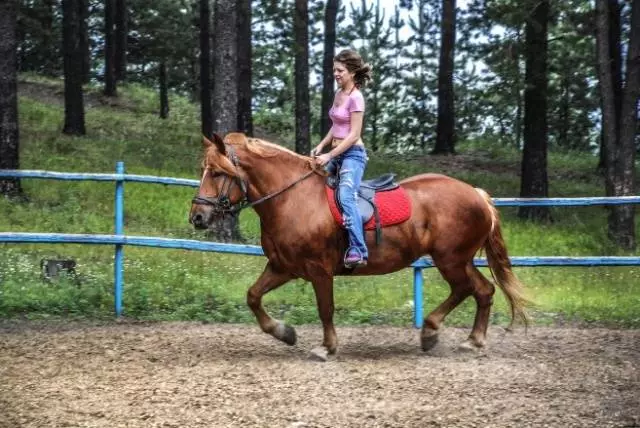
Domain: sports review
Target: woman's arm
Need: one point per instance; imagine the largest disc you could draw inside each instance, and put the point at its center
(326, 140)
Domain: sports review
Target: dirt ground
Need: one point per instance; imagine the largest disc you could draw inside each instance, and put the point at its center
(198, 375)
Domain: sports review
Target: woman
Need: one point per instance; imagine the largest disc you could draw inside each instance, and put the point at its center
(347, 155)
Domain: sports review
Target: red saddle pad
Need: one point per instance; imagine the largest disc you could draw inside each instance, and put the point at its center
(394, 207)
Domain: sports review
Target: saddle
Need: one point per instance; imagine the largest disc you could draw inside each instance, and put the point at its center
(381, 202)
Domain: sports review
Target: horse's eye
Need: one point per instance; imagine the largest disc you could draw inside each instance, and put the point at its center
(215, 174)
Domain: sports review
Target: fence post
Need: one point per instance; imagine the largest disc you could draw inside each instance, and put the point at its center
(417, 297)
(119, 230)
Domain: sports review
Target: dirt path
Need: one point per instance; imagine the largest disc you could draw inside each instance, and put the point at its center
(195, 375)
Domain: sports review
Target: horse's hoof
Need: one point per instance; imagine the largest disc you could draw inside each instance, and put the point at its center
(289, 337)
(319, 354)
(469, 346)
(285, 333)
(429, 341)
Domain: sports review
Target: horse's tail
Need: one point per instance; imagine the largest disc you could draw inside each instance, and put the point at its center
(500, 266)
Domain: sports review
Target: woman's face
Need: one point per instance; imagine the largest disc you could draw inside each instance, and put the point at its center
(343, 77)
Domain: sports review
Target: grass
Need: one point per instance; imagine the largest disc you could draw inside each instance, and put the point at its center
(165, 284)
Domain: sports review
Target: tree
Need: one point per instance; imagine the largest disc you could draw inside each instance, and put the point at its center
(121, 33)
(39, 35)
(225, 94)
(273, 76)
(418, 83)
(397, 115)
(225, 70)
(534, 181)
(205, 69)
(445, 133)
(85, 45)
(245, 117)
(619, 122)
(375, 52)
(301, 30)
(9, 132)
(73, 59)
(615, 60)
(164, 91)
(109, 48)
(330, 14)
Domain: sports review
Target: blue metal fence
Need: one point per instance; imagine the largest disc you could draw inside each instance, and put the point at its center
(119, 240)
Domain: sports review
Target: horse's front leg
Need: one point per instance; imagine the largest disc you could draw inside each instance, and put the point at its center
(323, 287)
(270, 280)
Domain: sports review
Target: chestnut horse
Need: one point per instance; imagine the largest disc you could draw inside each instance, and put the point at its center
(450, 221)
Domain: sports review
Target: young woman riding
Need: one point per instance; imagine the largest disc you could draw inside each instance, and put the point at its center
(347, 156)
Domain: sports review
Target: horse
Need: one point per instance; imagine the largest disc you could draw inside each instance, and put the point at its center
(449, 220)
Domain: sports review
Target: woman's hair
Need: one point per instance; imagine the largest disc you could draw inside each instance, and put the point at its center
(354, 63)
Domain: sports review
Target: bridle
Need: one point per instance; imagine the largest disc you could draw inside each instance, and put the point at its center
(222, 205)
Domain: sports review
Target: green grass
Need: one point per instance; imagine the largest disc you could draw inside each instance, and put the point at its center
(165, 284)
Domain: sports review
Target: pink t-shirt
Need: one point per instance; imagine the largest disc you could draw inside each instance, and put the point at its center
(341, 115)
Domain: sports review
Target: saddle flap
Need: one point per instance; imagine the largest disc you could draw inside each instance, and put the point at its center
(366, 203)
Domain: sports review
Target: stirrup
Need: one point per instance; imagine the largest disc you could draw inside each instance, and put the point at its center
(360, 261)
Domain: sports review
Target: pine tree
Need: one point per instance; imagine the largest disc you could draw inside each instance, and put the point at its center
(9, 131)
(73, 94)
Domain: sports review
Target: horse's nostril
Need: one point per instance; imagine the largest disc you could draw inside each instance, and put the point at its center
(197, 220)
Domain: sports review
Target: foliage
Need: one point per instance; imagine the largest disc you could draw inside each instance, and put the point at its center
(400, 41)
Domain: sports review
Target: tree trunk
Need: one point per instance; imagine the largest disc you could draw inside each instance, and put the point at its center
(205, 70)
(301, 31)
(225, 95)
(73, 59)
(245, 118)
(49, 61)
(534, 182)
(164, 91)
(109, 49)
(9, 131)
(225, 68)
(121, 33)
(330, 15)
(613, 12)
(85, 46)
(619, 129)
(445, 133)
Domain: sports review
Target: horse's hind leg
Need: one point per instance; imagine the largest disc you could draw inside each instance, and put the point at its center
(270, 280)
(483, 294)
(462, 286)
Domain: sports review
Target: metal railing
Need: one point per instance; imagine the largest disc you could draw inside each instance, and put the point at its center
(119, 239)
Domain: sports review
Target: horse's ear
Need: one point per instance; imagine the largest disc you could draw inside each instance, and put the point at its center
(217, 140)
(206, 143)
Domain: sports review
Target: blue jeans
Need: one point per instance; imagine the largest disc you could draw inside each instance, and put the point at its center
(350, 165)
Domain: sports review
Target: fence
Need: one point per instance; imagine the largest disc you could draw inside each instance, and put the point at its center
(119, 239)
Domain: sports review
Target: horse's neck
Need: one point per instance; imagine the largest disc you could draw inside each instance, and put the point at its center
(268, 176)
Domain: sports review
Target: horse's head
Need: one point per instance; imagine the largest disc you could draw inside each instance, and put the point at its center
(223, 187)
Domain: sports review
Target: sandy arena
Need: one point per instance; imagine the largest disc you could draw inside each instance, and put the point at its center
(198, 375)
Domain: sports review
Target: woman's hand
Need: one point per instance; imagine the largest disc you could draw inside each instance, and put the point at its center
(316, 152)
(322, 160)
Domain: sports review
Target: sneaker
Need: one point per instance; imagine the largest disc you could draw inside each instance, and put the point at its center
(354, 259)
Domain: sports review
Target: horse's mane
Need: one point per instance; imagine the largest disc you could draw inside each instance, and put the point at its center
(261, 147)
(257, 146)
